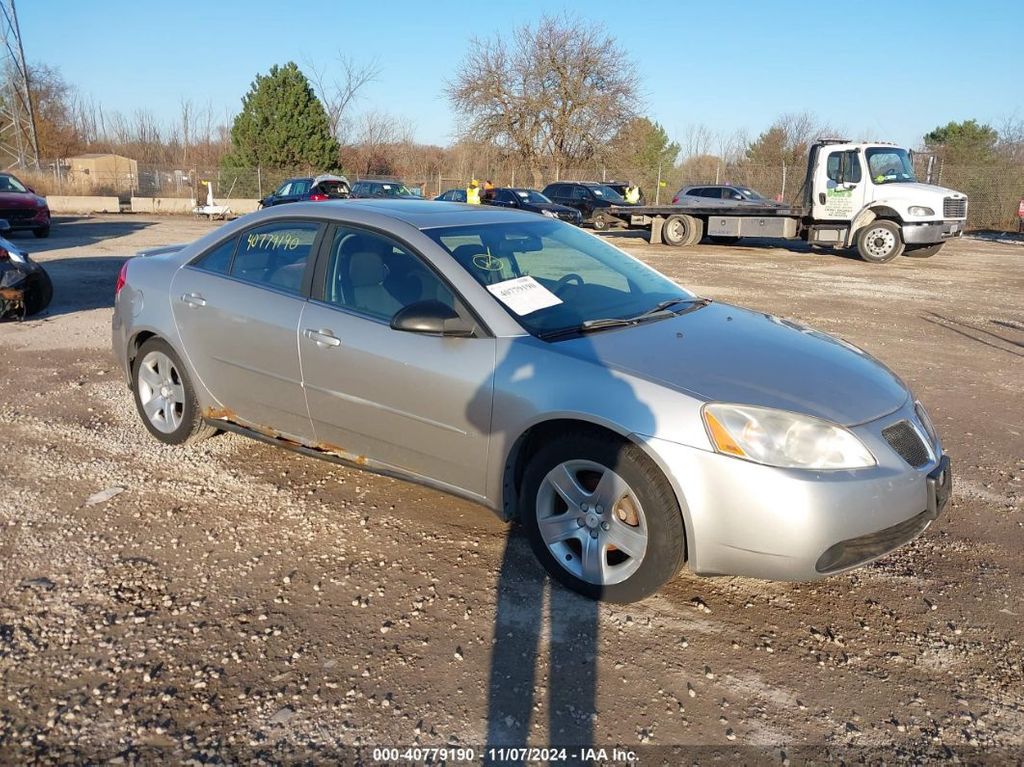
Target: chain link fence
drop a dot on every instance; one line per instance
(995, 190)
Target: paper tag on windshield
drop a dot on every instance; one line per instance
(524, 295)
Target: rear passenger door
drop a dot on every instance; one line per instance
(237, 310)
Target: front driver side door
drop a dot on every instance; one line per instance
(410, 401)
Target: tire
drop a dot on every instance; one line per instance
(879, 242)
(41, 231)
(639, 493)
(182, 422)
(723, 240)
(40, 298)
(681, 230)
(923, 251)
(600, 222)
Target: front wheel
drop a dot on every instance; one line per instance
(602, 518)
(880, 242)
(600, 222)
(39, 298)
(164, 395)
(924, 251)
(41, 231)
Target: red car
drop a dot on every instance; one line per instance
(22, 208)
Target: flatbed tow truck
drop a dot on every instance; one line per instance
(862, 195)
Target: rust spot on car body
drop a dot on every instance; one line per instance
(219, 414)
(13, 301)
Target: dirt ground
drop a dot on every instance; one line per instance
(234, 600)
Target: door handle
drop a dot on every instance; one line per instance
(821, 197)
(322, 337)
(193, 299)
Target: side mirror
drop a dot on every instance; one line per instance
(433, 318)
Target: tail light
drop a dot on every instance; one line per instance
(675, 200)
(122, 277)
(318, 197)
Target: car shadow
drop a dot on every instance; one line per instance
(979, 335)
(81, 284)
(76, 232)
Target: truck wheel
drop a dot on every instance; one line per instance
(680, 230)
(923, 251)
(723, 240)
(880, 242)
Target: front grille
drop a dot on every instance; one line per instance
(905, 440)
(954, 207)
(17, 214)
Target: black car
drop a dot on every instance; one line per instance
(387, 189)
(25, 287)
(535, 202)
(452, 195)
(589, 198)
(303, 188)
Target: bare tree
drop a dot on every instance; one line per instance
(551, 93)
(697, 140)
(338, 93)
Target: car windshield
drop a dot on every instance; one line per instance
(552, 276)
(528, 195)
(889, 165)
(11, 184)
(391, 190)
(607, 193)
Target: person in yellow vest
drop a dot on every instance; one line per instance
(473, 192)
(633, 194)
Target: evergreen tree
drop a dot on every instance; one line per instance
(282, 124)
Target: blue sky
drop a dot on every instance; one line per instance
(890, 71)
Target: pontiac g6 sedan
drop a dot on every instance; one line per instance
(629, 425)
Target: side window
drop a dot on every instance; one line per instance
(850, 164)
(696, 192)
(373, 275)
(217, 260)
(555, 190)
(283, 189)
(712, 192)
(504, 195)
(580, 193)
(275, 255)
(300, 187)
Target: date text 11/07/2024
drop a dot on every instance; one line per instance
(502, 754)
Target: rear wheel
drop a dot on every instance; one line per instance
(923, 251)
(164, 395)
(681, 230)
(880, 241)
(602, 518)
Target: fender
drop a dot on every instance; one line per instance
(865, 216)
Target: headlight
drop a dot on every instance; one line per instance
(920, 210)
(548, 213)
(784, 439)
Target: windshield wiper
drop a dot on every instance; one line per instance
(661, 310)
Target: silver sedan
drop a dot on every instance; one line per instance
(629, 425)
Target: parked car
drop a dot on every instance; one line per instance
(311, 188)
(25, 287)
(387, 189)
(534, 202)
(722, 195)
(22, 208)
(515, 360)
(452, 195)
(590, 198)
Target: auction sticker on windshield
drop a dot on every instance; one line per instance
(524, 295)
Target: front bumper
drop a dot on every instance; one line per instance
(747, 519)
(931, 232)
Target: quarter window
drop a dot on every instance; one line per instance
(373, 275)
(217, 260)
(275, 255)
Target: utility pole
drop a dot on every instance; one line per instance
(19, 144)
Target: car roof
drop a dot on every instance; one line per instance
(420, 213)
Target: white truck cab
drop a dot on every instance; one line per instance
(866, 194)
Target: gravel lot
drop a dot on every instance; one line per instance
(234, 600)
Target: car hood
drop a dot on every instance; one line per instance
(552, 206)
(915, 190)
(19, 200)
(724, 353)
